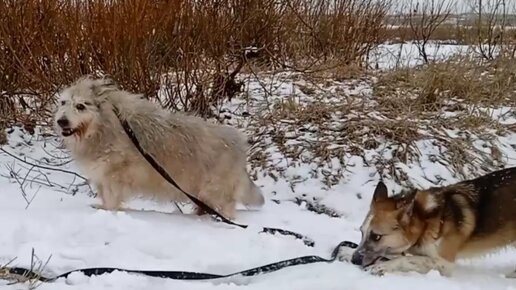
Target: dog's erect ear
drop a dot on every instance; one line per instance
(406, 213)
(380, 193)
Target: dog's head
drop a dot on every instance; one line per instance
(79, 106)
(389, 229)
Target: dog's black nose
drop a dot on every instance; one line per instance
(63, 122)
(357, 258)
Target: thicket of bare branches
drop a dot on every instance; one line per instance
(424, 19)
(489, 26)
(194, 47)
(495, 34)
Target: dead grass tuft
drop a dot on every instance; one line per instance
(455, 82)
(449, 104)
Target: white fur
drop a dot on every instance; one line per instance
(364, 228)
(419, 264)
(428, 249)
(430, 203)
(206, 160)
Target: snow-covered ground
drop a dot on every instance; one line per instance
(49, 212)
(389, 56)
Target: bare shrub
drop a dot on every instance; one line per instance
(494, 23)
(424, 19)
(185, 54)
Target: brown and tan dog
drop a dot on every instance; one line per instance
(438, 225)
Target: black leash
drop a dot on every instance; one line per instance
(130, 133)
(21, 274)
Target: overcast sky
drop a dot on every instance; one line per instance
(464, 6)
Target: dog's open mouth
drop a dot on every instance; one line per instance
(381, 259)
(66, 132)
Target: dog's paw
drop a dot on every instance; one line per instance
(97, 206)
(377, 269)
(384, 266)
(102, 207)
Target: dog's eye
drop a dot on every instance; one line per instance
(80, 107)
(375, 237)
(63, 103)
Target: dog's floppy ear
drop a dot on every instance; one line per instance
(380, 193)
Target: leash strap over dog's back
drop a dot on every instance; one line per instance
(132, 136)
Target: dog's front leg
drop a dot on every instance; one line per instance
(110, 197)
(419, 264)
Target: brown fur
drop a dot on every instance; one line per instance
(439, 225)
(81, 130)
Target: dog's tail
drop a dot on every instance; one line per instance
(252, 196)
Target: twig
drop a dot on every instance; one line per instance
(41, 166)
(33, 283)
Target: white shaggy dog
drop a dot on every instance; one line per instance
(206, 160)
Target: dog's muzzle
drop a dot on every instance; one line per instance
(66, 130)
(359, 258)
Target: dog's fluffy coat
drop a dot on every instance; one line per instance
(438, 225)
(206, 160)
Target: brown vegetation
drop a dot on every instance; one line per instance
(450, 105)
(194, 48)
(189, 55)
